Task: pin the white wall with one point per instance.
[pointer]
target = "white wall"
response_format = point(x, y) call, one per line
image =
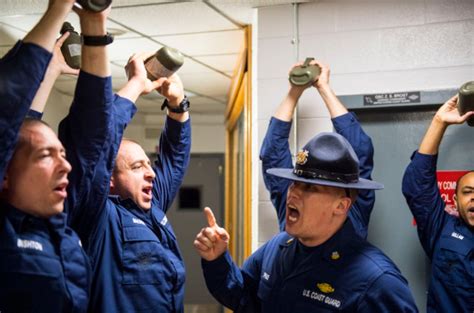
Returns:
point(371, 46)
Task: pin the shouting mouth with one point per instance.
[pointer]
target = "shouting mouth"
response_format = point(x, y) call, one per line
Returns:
point(293, 214)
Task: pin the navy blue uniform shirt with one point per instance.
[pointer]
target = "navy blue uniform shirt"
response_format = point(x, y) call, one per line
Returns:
point(42, 265)
point(447, 240)
point(137, 266)
point(344, 274)
point(275, 153)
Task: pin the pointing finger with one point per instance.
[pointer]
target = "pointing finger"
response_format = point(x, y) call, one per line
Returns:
point(211, 220)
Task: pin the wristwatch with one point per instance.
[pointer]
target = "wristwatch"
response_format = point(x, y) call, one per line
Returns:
point(97, 40)
point(182, 107)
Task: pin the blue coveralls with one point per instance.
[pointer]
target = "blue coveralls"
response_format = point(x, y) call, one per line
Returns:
point(344, 274)
point(447, 240)
point(42, 265)
point(275, 153)
point(137, 266)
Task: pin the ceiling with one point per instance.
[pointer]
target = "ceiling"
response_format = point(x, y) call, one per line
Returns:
point(209, 34)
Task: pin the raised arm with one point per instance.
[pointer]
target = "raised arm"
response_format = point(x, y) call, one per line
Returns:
point(89, 132)
point(56, 67)
point(21, 72)
point(174, 147)
point(275, 150)
point(419, 184)
point(347, 125)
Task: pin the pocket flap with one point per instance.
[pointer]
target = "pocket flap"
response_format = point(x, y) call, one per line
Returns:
point(138, 233)
point(456, 245)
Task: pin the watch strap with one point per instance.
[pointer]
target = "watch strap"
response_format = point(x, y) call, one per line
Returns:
point(97, 40)
point(182, 107)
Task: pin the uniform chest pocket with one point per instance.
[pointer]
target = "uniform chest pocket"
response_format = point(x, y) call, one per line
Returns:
point(30, 264)
point(141, 256)
point(452, 263)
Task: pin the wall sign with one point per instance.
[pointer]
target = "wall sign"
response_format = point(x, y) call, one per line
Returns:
point(392, 98)
point(447, 186)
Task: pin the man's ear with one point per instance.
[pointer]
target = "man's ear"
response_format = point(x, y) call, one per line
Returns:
point(343, 206)
point(455, 198)
point(112, 184)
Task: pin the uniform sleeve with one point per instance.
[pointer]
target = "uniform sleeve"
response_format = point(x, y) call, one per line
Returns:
point(172, 161)
point(419, 186)
point(22, 70)
point(275, 153)
point(91, 134)
point(388, 294)
point(349, 127)
point(233, 287)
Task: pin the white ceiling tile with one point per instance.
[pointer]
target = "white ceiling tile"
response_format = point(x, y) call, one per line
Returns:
point(223, 62)
point(173, 18)
point(240, 12)
point(206, 84)
point(192, 67)
point(26, 22)
point(122, 49)
point(203, 44)
point(118, 71)
point(9, 35)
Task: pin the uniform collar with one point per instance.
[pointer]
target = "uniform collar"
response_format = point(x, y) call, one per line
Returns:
point(22, 221)
point(463, 228)
point(332, 249)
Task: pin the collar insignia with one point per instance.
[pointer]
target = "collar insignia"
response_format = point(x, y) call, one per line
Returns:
point(325, 287)
point(302, 157)
point(335, 255)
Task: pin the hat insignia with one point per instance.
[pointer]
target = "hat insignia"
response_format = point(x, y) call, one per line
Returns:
point(325, 287)
point(302, 157)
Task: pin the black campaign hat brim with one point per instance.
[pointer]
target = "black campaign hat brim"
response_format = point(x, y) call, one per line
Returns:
point(362, 183)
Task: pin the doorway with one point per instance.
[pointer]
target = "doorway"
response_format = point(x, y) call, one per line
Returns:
point(203, 186)
point(396, 133)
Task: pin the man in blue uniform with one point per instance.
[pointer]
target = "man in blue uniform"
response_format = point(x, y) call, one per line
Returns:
point(275, 151)
point(320, 263)
point(137, 266)
point(42, 265)
point(448, 241)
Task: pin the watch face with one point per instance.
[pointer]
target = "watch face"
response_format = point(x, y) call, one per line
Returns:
point(183, 106)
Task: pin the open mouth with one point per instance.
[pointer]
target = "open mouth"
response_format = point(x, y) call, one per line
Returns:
point(147, 192)
point(61, 190)
point(293, 214)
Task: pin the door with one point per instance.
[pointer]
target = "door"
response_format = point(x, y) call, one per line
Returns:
point(203, 186)
point(395, 135)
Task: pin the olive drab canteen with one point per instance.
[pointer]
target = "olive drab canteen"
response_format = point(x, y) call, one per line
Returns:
point(305, 74)
point(466, 100)
point(94, 5)
point(164, 63)
point(71, 48)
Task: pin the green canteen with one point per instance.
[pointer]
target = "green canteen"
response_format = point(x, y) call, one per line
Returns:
point(305, 74)
point(163, 63)
point(94, 5)
point(466, 100)
point(71, 48)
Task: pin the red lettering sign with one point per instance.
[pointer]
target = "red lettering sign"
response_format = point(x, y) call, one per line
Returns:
point(447, 187)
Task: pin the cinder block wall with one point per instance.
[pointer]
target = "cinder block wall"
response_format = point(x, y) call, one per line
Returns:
point(371, 46)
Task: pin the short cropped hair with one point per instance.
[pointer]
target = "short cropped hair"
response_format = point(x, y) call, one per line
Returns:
point(459, 179)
